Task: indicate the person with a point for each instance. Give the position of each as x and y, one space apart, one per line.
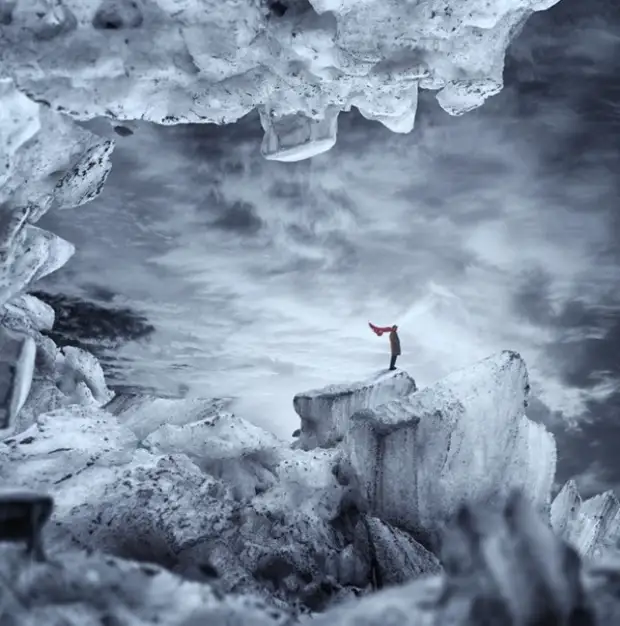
394 341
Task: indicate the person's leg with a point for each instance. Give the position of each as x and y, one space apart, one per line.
393 362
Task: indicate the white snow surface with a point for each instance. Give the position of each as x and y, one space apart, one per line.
464 439
325 412
216 61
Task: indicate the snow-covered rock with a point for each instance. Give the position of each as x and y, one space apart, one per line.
300 62
325 412
81 588
591 526
464 439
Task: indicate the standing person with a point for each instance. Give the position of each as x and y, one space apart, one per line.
394 341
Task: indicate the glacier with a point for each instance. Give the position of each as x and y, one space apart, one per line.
298 62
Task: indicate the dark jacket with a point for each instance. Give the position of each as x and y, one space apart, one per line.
394 343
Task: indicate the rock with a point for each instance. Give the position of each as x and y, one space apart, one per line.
23 514
397 556
303 63
464 439
80 588
501 567
592 526
17 360
325 412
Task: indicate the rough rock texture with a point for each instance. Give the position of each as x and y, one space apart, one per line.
78 588
325 412
464 439
502 567
299 63
592 526
217 495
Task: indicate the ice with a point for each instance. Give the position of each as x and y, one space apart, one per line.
28 312
27 253
46 159
94 589
297 137
325 412
501 567
302 62
591 526
144 414
80 367
466 438
398 556
225 447
17 359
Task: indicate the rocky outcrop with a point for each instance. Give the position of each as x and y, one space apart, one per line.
299 63
325 412
591 526
464 439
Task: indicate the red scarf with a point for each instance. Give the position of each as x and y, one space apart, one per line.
379 330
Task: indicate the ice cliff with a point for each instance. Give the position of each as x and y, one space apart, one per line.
299 62
465 439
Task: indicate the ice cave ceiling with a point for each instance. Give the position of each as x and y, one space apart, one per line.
298 62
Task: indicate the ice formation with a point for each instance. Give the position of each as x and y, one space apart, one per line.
464 439
299 62
591 526
325 412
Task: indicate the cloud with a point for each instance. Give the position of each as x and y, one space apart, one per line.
494 230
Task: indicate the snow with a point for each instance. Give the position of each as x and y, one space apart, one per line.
466 438
592 526
325 412
215 62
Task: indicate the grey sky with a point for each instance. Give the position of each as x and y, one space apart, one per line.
494 230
